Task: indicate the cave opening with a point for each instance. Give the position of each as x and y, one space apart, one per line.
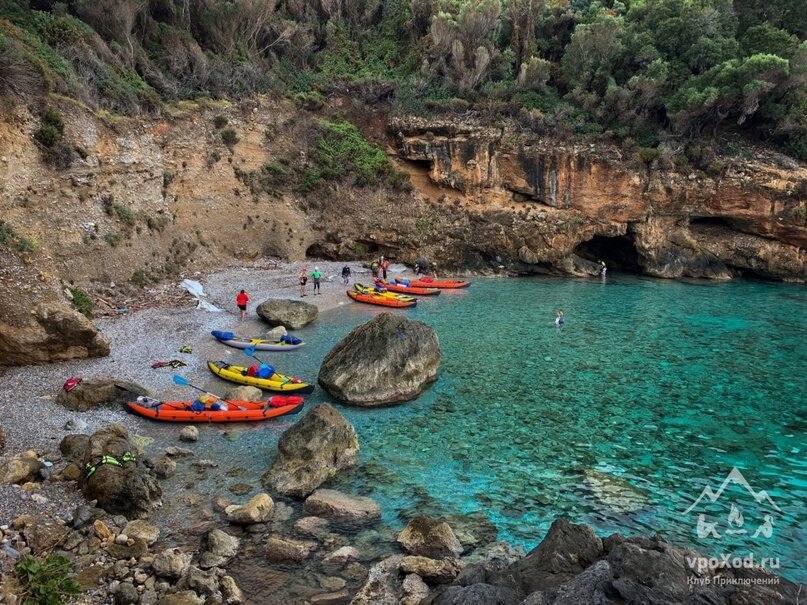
619 253
321 250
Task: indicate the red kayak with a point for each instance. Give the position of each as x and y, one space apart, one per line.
237 411
431 282
404 289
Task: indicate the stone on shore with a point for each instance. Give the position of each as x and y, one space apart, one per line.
20 469
183 597
291 314
143 530
384 361
189 433
129 487
429 537
89 394
244 393
230 592
171 563
332 504
257 510
312 451
275 333
436 571
384 585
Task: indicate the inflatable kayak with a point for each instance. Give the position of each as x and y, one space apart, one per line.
385 299
430 282
237 411
273 382
409 289
284 343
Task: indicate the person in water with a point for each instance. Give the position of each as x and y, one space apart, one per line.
241 300
559 318
603 268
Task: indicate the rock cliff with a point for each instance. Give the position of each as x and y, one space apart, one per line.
544 206
147 199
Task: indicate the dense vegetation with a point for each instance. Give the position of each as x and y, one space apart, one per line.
645 71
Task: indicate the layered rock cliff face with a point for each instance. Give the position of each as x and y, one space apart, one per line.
153 198
562 206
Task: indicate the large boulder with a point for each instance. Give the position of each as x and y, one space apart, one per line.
127 487
429 537
565 552
386 360
332 504
89 394
51 332
291 314
311 452
20 469
436 571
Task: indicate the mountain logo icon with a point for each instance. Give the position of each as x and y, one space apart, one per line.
735 476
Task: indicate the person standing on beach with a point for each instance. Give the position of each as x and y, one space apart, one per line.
384 267
346 274
241 300
374 268
317 276
303 276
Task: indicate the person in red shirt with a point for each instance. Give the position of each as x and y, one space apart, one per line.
241 300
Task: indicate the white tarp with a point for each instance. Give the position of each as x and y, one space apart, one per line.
198 292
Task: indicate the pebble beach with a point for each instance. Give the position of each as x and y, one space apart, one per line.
33 420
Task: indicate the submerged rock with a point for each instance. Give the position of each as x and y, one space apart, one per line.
330 503
311 452
286 550
384 584
616 493
257 510
291 314
386 360
217 549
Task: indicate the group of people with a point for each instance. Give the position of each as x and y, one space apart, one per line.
379 266
316 276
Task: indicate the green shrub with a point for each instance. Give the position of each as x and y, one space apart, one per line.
6 232
82 302
113 239
342 151
167 178
46 581
647 154
229 136
220 121
27 244
309 100
124 213
715 168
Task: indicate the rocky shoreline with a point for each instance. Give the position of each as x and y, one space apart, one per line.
141 525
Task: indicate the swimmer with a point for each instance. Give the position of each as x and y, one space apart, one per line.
559 318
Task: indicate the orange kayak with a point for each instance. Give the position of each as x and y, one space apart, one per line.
430 282
237 411
399 287
380 299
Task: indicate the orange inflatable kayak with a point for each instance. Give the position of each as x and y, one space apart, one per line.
430 282
404 289
379 299
237 411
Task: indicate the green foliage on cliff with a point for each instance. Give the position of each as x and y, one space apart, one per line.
678 69
82 302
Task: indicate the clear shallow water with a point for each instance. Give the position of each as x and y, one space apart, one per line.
650 391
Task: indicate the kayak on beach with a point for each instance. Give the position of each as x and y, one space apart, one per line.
407 288
431 282
252 375
222 411
367 295
284 343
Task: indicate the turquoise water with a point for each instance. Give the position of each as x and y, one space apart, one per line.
650 391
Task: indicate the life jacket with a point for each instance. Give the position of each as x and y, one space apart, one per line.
374 266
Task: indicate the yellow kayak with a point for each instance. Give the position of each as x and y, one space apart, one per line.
275 382
361 289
